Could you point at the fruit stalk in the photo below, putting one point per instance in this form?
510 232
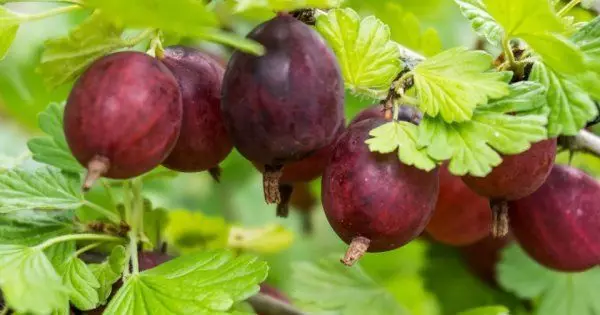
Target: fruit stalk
267 305
358 247
584 141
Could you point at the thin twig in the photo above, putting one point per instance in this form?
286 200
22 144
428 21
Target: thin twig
584 141
264 304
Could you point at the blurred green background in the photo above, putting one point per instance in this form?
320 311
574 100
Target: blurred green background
423 277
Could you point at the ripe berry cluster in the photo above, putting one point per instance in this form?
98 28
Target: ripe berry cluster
284 112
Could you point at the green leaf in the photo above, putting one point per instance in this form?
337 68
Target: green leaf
481 21
588 39
53 149
557 52
473 146
81 283
155 222
29 282
65 58
9 25
109 272
330 286
272 238
189 231
455 81
556 293
208 282
519 17
284 5
43 189
369 60
401 136
487 310
570 106
30 227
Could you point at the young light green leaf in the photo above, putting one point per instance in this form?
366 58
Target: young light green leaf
555 293
9 25
570 106
487 310
328 286
190 231
203 283
272 238
43 189
155 222
53 149
65 58
473 147
284 5
109 272
401 136
369 60
557 52
431 43
28 281
588 39
31 227
481 21
519 17
455 81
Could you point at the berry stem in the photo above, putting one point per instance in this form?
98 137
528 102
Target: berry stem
113 217
136 222
283 208
271 183
96 168
358 247
86 248
499 218
518 68
215 173
77 237
568 7
307 223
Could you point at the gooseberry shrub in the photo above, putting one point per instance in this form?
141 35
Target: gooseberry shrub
451 159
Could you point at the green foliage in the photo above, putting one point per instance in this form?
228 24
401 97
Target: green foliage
455 81
53 149
570 106
183 17
330 286
401 136
272 238
43 189
208 282
9 25
369 60
190 231
29 227
109 271
78 278
481 21
65 58
29 282
487 310
519 18
555 293
506 125
284 5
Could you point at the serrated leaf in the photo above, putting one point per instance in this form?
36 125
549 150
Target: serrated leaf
284 5
402 137
189 231
472 147
53 149
555 293
368 59
570 106
29 282
207 282
109 272
272 238
43 189
588 39
329 286
65 58
481 21
487 310
519 17
455 81
33 227
9 25
81 283
557 52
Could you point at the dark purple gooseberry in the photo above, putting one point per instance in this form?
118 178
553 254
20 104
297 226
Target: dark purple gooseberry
373 201
123 116
405 113
559 224
286 105
203 142
516 177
